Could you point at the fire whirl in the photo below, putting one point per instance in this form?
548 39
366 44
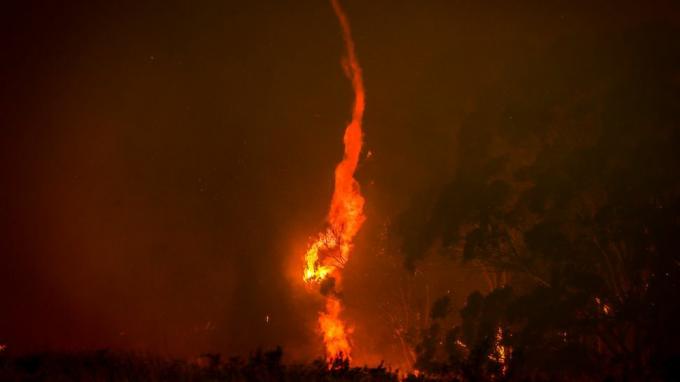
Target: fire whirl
327 255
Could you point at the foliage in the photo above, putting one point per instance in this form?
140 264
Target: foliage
569 195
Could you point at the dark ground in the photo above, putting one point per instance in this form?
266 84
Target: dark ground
105 365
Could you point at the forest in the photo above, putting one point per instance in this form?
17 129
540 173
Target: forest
567 197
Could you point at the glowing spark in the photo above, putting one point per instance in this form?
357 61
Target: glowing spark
501 352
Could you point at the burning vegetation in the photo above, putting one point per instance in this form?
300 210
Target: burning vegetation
544 248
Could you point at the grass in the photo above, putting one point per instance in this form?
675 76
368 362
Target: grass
106 365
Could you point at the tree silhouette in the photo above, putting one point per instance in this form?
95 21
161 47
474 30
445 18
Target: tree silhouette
569 195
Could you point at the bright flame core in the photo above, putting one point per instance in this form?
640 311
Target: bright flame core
330 251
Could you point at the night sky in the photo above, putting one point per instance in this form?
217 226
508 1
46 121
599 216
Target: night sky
163 163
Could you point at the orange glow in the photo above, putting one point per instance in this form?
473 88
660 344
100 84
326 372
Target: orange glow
335 332
330 251
501 353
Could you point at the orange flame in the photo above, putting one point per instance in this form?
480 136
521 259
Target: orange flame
501 353
334 330
330 251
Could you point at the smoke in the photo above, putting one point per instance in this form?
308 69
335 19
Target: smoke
164 165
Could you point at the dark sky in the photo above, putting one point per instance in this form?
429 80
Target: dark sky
164 162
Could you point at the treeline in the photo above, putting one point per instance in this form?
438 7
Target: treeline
567 198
